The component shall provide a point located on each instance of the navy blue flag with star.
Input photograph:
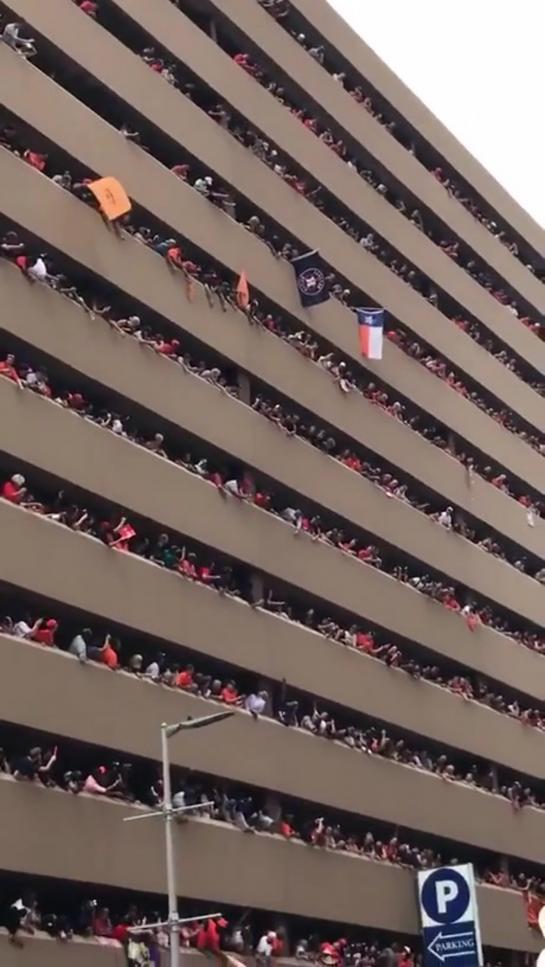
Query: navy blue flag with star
(310, 277)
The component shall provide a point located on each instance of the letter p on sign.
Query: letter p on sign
(446, 891)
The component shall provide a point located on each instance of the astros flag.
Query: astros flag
(371, 328)
(311, 279)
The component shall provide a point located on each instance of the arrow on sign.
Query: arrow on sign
(446, 945)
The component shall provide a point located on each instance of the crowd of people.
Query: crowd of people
(38, 267)
(234, 482)
(36, 379)
(216, 283)
(268, 153)
(114, 529)
(225, 199)
(281, 11)
(292, 710)
(249, 811)
(115, 780)
(131, 926)
(135, 930)
(87, 647)
(451, 247)
(360, 231)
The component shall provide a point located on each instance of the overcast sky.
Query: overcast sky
(478, 65)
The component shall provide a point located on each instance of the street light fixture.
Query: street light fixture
(168, 813)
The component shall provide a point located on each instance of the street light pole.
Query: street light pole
(167, 731)
(173, 916)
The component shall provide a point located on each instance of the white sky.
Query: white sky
(478, 65)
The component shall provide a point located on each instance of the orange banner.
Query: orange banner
(534, 906)
(242, 291)
(111, 196)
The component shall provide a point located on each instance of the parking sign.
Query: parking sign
(449, 915)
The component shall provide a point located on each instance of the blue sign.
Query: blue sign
(445, 896)
(450, 924)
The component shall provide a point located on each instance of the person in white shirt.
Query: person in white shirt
(256, 703)
(178, 799)
(12, 37)
(38, 271)
(203, 185)
(22, 629)
(154, 669)
(445, 518)
(232, 487)
(367, 241)
(78, 645)
(265, 948)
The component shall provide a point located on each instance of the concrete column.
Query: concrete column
(248, 480)
(244, 388)
(273, 807)
(257, 587)
(496, 783)
(266, 685)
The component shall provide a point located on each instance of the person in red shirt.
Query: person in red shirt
(262, 500)
(122, 534)
(205, 574)
(181, 171)
(108, 654)
(405, 958)
(243, 60)
(187, 566)
(174, 256)
(367, 554)
(102, 925)
(365, 642)
(215, 478)
(75, 401)
(89, 7)
(191, 268)
(472, 621)
(121, 932)
(393, 336)
(35, 160)
(277, 944)
(45, 633)
(7, 369)
(392, 850)
(296, 183)
(14, 489)
(208, 937)
(184, 678)
(449, 601)
(286, 829)
(229, 694)
(329, 954)
(167, 348)
(499, 481)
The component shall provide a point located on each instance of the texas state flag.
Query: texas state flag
(371, 328)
